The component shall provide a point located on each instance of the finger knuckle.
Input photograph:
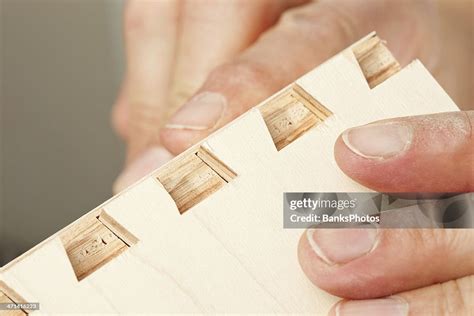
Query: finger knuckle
(240, 75)
(429, 238)
(441, 241)
(319, 23)
(457, 296)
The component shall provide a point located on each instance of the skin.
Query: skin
(177, 50)
(409, 259)
(180, 49)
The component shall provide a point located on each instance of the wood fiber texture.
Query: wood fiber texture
(204, 233)
(9, 296)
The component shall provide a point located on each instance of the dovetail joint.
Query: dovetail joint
(94, 241)
(193, 177)
(375, 60)
(291, 113)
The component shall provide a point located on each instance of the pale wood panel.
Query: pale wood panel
(8, 296)
(228, 252)
(6, 300)
(46, 276)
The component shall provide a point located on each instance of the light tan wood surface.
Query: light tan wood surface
(375, 60)
(8, 296)
(204, 233)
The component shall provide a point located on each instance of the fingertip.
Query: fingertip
(342, 155)
(354, 166)
(338, 280)
(195, 120)
(399, 155)
(362, 271)
(387, 306)
(317, 255)
(150, 160)
(176, 140)
(319, 272)
(306, 259)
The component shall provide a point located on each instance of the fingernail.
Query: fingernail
(379, 140)
(339, 246)
(391, 306)
(202, 112)
(144, 164)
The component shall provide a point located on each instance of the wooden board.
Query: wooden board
(9, 296)
(204, 233)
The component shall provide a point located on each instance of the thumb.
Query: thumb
(429, 153)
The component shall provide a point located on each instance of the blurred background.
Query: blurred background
(61, 67)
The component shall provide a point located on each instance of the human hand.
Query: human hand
(171, 46)
(428, 272)
(239, 53)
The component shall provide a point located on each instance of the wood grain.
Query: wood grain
(194, 176)
(92, 242)
(290, 114)
(6, 300)
(7, 296)
(228, 253)
(376, 61)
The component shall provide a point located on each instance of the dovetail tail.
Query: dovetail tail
(9, 296)
(93, 241)
(291, 113)
(194, 176)
(215, 164)
(375, 60)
